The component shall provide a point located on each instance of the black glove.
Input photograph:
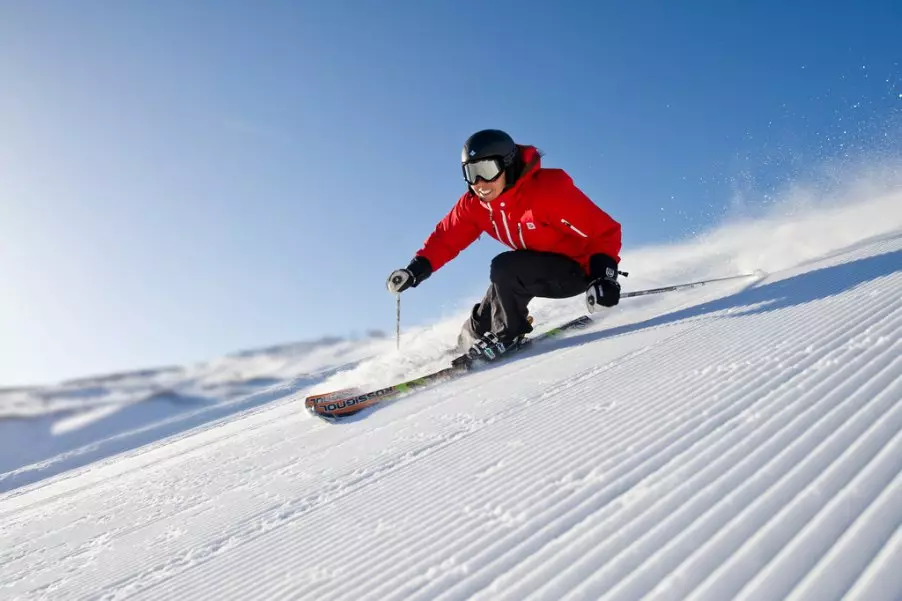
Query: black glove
(410, 277)
(605, 289)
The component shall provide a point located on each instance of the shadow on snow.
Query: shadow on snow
(797, 290)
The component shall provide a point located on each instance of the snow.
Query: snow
(737, 441)
(47, 430)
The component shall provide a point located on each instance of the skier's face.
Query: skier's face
(489, 191)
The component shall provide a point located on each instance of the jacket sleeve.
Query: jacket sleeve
(574, 213)
(454, 233)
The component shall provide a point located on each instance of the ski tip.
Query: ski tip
(314, 403)
(331, 396)
(329, 413)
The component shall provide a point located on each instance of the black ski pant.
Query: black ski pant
(518, 276)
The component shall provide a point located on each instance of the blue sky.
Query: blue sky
(180, 180)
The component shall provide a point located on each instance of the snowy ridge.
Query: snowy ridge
(742, 441)
(48, 430)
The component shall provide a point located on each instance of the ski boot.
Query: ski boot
(491, 348)
(487, 347)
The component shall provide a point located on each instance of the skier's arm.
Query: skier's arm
(452, 234)
(577, 215)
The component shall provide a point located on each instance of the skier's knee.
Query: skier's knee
(503, 266)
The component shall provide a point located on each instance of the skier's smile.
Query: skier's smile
(489, 191)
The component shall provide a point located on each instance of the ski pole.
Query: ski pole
(690, 285)
(398, 321)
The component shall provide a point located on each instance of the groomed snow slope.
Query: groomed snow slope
(736, 441)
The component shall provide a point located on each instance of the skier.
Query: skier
(562, 244)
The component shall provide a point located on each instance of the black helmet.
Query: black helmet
(492, 144)
(489, 143)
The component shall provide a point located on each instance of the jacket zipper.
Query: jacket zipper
(508, 230)
(510, 238)
(492, 219)
(497, 233)
(567, 223)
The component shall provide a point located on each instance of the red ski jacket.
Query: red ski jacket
(542, 211)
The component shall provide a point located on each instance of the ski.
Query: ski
(332, 406)
(335, 405)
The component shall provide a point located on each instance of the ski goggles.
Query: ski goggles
(487, 169)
